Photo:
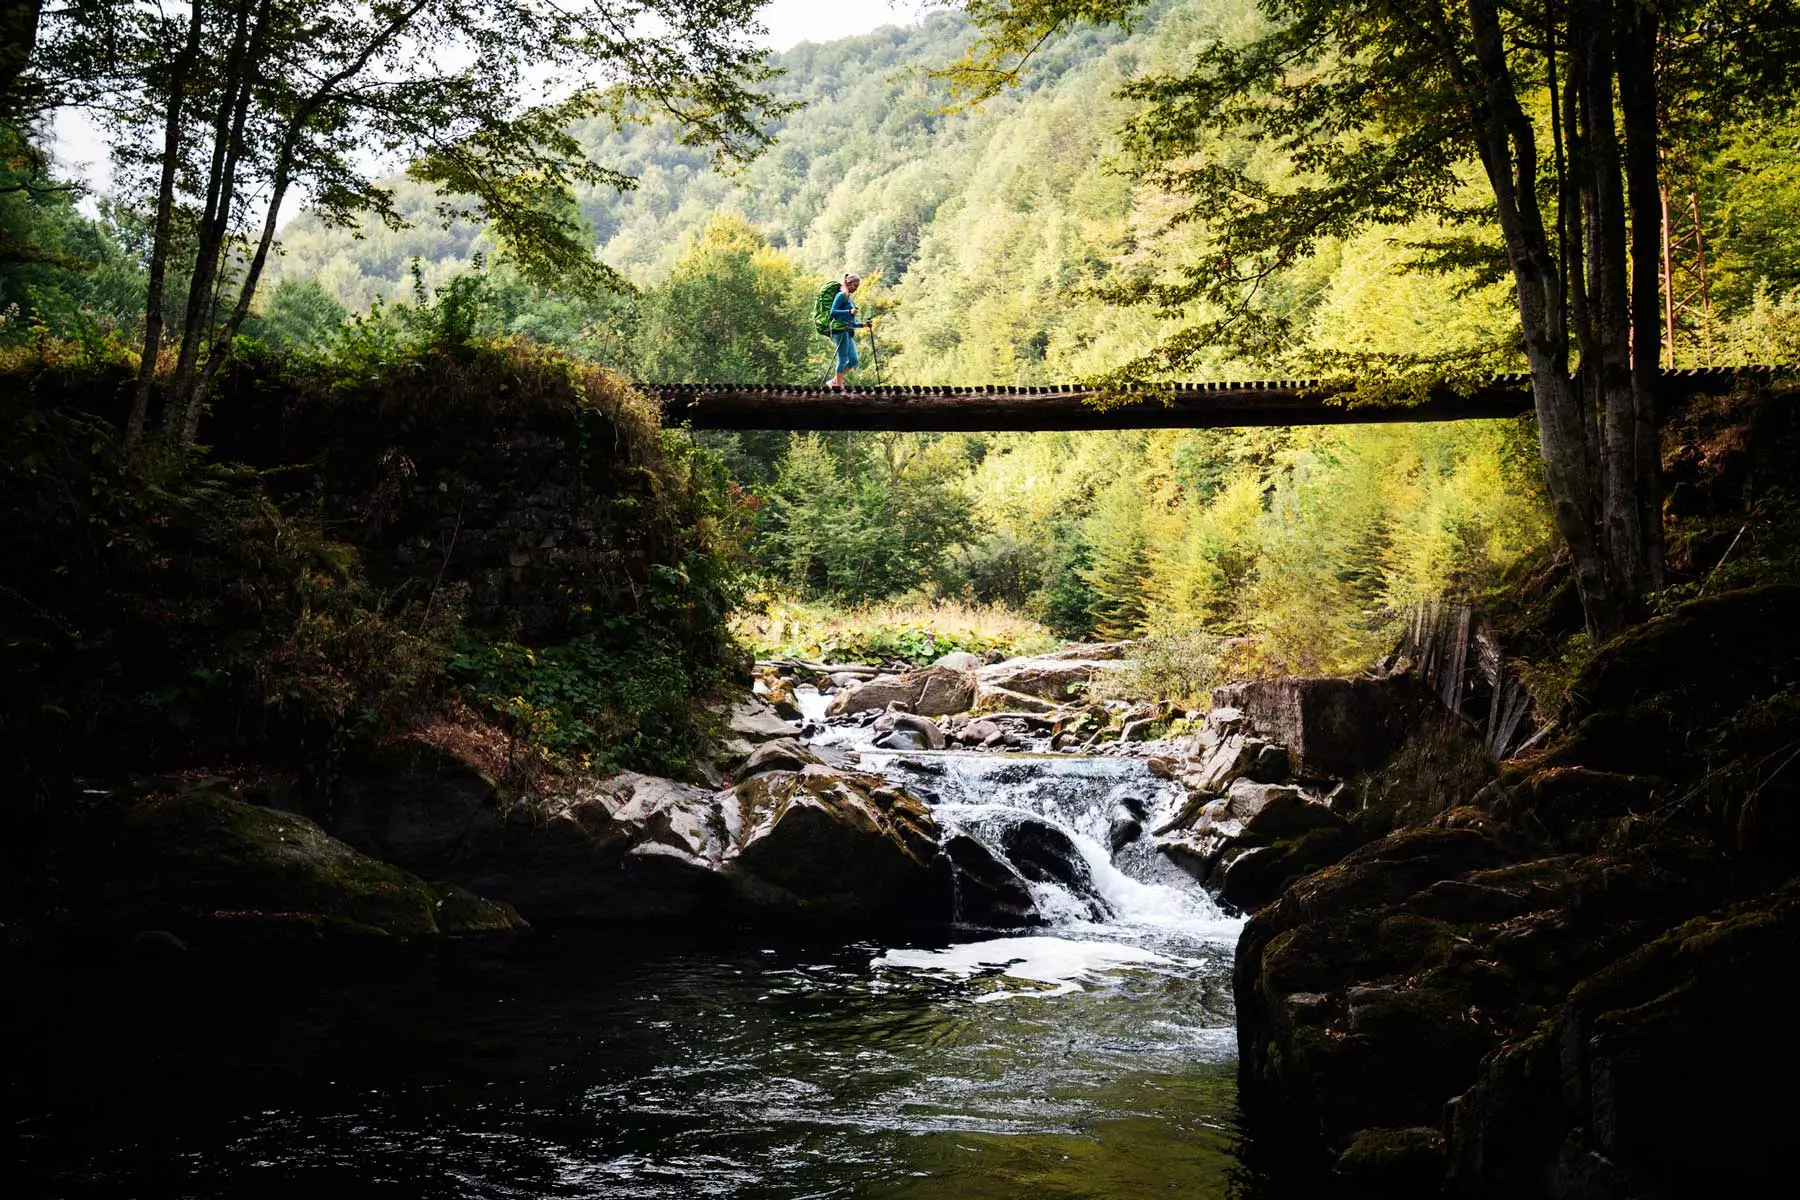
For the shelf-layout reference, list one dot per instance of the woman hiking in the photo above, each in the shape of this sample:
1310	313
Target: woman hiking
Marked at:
841	325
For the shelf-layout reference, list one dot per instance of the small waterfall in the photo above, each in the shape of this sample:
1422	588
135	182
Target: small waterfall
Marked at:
1076	829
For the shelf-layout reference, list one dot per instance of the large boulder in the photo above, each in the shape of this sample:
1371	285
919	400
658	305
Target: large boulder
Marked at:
1511	984
959	660
837	846
627	848
932	692
985	890
794	838
748	722
904	731
622	848
1581	1107
1232	757
209	867
1648	701
1042	852
783	754
1274	811
1259	874
415	803
756	721
873	695
1057	677
943	692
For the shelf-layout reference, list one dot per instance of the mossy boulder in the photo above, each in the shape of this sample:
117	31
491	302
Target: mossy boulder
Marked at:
1257	876
1574	808
837	846
1655	1078
207	866
1394	1163
1649	698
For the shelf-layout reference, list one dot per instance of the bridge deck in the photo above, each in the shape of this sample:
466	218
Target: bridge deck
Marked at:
1156	406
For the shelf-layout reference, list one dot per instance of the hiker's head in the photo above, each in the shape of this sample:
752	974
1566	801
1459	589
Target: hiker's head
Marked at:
851	282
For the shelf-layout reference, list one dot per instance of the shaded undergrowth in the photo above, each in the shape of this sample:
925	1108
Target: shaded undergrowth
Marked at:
492	529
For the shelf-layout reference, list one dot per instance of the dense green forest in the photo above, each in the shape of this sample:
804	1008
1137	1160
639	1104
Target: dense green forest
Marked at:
990	235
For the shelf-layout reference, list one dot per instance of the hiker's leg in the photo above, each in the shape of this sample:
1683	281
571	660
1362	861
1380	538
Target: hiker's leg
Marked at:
846	355
847	358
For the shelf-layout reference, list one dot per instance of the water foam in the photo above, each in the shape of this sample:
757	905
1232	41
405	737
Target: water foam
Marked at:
1139	889
1063	964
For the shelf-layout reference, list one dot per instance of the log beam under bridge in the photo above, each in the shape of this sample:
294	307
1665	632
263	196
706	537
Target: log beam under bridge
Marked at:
1070	406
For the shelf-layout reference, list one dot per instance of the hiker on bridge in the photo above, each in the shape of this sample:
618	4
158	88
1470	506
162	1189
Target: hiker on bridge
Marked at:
835	316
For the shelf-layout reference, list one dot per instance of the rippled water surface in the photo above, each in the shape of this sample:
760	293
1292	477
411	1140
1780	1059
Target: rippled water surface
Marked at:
1085	1059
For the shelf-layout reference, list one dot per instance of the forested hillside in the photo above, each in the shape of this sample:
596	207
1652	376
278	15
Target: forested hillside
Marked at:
977	229
987	237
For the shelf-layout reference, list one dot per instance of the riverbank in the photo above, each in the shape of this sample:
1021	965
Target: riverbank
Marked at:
1562	974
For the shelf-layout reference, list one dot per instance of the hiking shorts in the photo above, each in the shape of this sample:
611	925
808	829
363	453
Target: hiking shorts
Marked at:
846	348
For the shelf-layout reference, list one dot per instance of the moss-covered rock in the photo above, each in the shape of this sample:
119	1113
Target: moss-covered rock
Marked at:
459	910
837	845
1525	954
1654	1079
1394	1162
1648	699
1574	808
1257	876
207	866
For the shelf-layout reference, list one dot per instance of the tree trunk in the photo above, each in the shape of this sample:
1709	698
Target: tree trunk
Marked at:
1606	364
206	251
246	78
1638	103
159	241
18	37
253	271
1507	141
282	179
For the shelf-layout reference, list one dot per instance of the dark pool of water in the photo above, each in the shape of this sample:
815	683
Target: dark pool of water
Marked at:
577	1066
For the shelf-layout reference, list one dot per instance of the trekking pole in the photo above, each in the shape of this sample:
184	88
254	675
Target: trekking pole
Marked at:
874	351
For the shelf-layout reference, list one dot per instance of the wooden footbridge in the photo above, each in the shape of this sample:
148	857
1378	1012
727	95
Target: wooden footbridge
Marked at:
1142	406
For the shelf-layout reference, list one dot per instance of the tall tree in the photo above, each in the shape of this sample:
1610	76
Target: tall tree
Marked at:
239	106
733	310
1377	105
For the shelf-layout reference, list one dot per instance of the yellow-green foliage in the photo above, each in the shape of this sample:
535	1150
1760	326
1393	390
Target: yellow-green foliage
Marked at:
1308	543
915	632
727	313
995	231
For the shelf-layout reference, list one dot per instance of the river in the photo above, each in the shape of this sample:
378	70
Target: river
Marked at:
1093	1056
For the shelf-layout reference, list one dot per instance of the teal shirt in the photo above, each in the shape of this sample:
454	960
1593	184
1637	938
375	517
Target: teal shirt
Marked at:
843	313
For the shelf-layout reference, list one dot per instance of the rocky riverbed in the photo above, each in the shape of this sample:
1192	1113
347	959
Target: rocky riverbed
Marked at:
1549	974
797	821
